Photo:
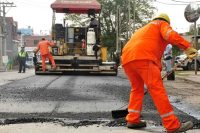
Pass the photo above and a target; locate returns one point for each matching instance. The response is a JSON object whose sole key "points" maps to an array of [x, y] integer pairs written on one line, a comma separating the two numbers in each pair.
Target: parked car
{"points": [[29, 62], [186, 64]]}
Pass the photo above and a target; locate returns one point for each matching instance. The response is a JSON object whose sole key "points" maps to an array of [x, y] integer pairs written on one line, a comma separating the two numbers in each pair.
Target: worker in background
{"points": [[43, 46], [22, 56], [141, 60], [93, 22], [96, 49], [83, 46], [168, 62]]}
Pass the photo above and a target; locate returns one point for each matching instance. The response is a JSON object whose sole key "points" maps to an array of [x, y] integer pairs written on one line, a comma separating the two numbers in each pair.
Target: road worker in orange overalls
{"points": [[141, 60], [43, 46]]}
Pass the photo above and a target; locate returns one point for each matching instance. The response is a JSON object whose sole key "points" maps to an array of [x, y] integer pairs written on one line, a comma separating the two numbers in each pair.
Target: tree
{"points": [[77, 19], [143, 12], [191, 32]]}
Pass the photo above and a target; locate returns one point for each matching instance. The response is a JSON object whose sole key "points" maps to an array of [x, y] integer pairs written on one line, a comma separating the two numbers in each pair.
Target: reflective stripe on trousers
{"points": [[133, 111], [166, 115], [142, 72]]}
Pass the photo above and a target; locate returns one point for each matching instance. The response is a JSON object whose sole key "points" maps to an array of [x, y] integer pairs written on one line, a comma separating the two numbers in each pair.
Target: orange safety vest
{"points": [[150, 41], [43, 46]]}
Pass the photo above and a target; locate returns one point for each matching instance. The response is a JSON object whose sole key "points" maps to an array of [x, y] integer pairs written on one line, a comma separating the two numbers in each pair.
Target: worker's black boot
{"points": [[184, 127], [141, 124]]}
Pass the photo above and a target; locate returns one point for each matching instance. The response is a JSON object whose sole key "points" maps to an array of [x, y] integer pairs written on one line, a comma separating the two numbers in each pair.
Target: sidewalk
{"points": [[189, 75], [186, 75], [12, 75]]}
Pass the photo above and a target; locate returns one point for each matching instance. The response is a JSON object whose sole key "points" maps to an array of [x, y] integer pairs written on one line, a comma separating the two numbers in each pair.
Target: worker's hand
{"points": [[191, 53], [35, 50]]}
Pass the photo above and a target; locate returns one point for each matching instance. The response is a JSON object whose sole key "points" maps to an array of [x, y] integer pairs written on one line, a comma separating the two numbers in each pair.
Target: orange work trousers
{"points": [[141, 72], [50, 57]]}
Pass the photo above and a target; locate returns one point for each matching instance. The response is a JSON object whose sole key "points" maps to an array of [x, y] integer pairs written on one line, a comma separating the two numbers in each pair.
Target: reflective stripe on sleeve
{"points": [[155, 22], [168, 114], [167, 34], [133, 111]]}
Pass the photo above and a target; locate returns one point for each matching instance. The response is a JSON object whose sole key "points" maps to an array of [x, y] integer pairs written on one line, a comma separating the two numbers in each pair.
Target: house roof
{"points": [[76, 6]]}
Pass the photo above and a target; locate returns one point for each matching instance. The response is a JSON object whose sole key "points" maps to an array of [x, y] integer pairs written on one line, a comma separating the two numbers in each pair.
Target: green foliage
{"points": [[143, 14], [76, 20], [143, 11], [176, 51], [191, 30], [108, 40]]}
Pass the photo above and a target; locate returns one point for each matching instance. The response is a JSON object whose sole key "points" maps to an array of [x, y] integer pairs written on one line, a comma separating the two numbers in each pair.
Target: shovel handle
{"points": [[174, 68]]}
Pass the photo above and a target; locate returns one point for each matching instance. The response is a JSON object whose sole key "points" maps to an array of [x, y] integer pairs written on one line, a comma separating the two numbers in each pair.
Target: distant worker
{"points": [[43, 46], [83, 47], [141, 60], [22, 56], [96, 49], [168, 62], [93, 22]]}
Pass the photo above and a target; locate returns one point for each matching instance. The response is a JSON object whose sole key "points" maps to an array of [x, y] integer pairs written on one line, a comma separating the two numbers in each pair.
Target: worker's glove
{"points": [[191, 53]]}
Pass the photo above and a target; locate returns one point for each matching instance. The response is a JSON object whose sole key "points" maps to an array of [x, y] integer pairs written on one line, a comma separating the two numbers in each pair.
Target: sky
{"points": [[38, 15], [34, 13], [175, 10]]}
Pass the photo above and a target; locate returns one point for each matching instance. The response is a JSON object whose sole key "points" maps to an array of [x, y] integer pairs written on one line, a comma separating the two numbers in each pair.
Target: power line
{"points": [[183, 1], [169, 3], [175, 2]]}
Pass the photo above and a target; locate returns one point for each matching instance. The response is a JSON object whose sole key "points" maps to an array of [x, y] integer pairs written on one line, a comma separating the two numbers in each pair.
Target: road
{"points": [[81, 100], [63, 96]]}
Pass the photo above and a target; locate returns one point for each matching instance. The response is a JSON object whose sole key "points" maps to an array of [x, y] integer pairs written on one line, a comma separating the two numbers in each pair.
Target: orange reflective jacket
{"points": [[150, 41], [44, 47]]}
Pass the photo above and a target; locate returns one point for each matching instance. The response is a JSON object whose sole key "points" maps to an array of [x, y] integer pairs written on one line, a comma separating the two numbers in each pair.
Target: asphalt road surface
{"points": [[73, 100]]}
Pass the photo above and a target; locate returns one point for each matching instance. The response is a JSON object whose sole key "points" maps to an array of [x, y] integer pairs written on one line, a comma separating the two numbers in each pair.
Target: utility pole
{"points": [[195, 45], [130, 31], [129, 20], [118, 30], [3, 30], [134, 6], [1, 51]]}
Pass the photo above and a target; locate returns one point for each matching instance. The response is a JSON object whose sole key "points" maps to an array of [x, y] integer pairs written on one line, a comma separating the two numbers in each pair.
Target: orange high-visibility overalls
{"points": [[141, 60], [44, 50]]}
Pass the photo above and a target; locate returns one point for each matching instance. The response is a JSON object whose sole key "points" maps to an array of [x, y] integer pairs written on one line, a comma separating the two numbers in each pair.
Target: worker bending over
{"points": [[141, 60], [43, 46]]}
